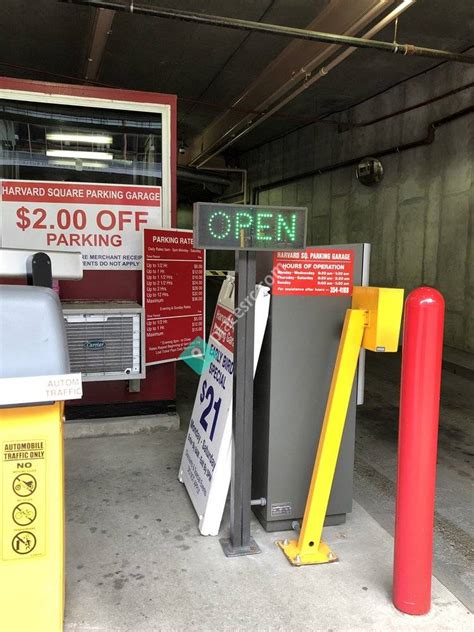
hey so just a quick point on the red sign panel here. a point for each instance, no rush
(222, 328)
(313, 272)
(102, 221)
(173, 289)
(79, 193)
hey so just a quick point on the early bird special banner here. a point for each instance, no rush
(104, 222)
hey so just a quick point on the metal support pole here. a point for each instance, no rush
(240, 541)
(417, 449)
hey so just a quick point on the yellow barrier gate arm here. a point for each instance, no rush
(373, 323)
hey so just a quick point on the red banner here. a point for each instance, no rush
(76, 193)
(313, 272)
(223, 327)
(173, 293)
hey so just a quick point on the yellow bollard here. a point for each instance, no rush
(373, 323)
(32, 518)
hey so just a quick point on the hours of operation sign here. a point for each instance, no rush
(313, 272)
(103, 221)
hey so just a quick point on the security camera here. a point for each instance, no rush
(369, 171)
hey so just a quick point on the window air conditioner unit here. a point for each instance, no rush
(105, 340)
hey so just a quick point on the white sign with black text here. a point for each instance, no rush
(104, 222)
(206, 463)
(15, 391)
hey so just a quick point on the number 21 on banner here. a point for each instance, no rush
(207, 394)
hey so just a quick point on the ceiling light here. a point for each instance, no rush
(94, 139)
(74, 153)
(74, 163)
(62, 163)
(94, 165)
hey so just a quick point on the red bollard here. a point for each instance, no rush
(417, 447)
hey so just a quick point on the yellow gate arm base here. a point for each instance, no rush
(372, 323)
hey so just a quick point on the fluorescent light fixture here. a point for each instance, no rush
(93, 139)
(74, 163)
(94, 165)
(62, 163)
(75, 153)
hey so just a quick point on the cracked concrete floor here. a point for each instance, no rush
(375, 471)
(136, 562)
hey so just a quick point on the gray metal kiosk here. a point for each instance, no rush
(35, 380)
(290, 394)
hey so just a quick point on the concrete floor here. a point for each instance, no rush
(376, 466)
(135, 561)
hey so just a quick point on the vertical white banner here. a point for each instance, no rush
(205, 466)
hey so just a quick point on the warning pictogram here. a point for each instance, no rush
(24, 542)
(23, 497)
(24, 485)
(24, 514)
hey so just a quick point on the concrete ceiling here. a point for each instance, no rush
(431, 23)
(208, 67)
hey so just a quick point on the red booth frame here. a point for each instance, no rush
(113, 285)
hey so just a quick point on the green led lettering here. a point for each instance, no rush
(262, 227)
(212, 229)
(242, 220)
(290, 230)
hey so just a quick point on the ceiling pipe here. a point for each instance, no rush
(344, 127)
(291, 71)
(195, 175)
(232, 136)
(275, 29)
(395, 149)
(243, 191)
(410, 108)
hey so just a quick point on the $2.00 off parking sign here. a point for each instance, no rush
(206, 463)
(104, 222)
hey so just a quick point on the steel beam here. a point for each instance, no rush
(101, 29)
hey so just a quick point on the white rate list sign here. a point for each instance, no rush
(206, 463)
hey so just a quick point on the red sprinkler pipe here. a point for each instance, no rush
(417, 448)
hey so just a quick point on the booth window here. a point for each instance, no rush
(41, 141)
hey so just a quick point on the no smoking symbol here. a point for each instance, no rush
(24, 542)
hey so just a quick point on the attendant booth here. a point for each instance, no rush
(87, 169)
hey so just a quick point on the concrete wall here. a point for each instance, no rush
(419, 219)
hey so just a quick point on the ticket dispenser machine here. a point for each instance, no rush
(290, 393)
(34, 382)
